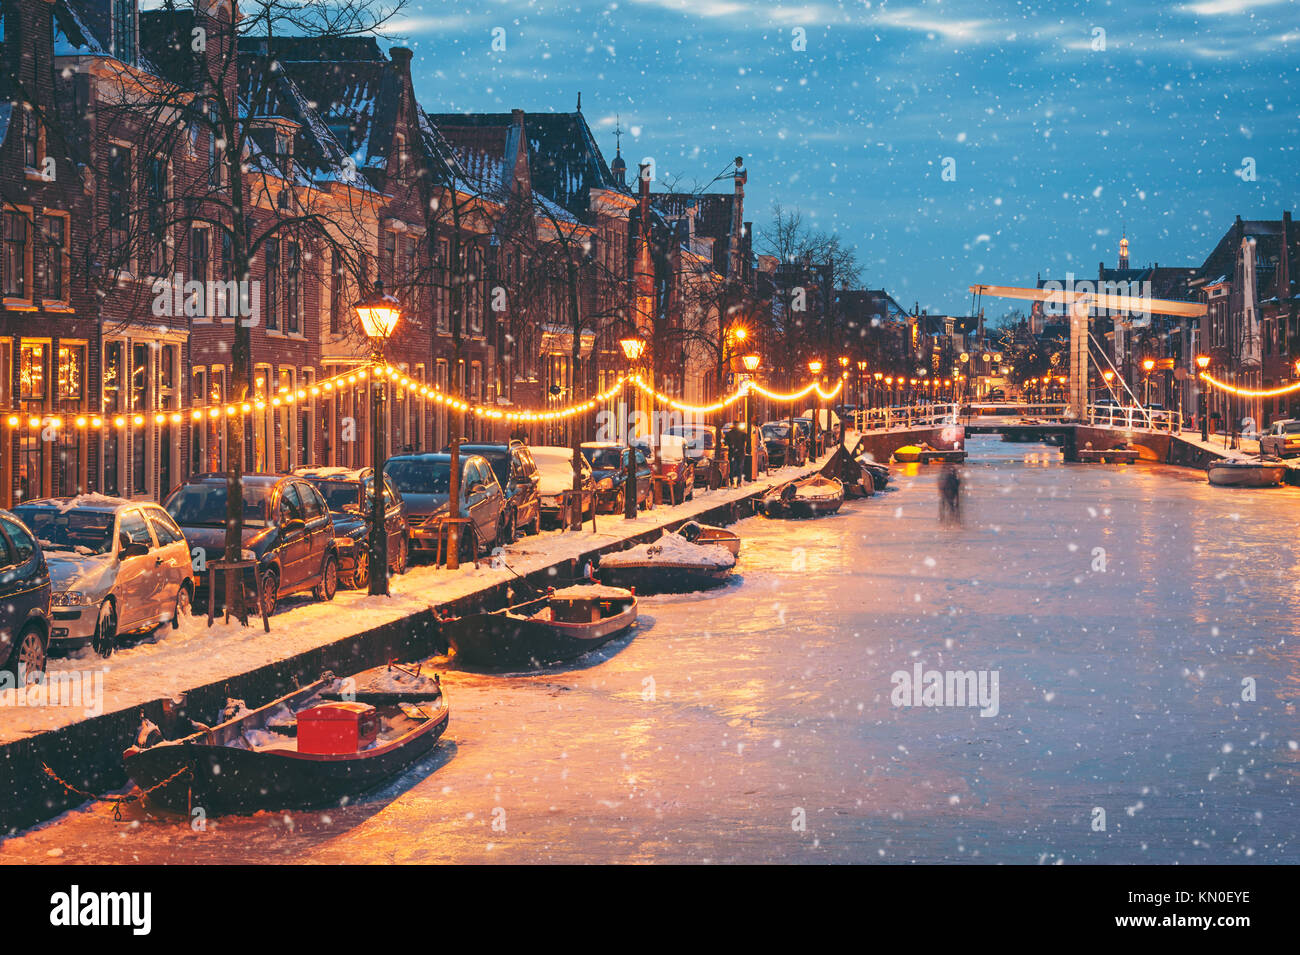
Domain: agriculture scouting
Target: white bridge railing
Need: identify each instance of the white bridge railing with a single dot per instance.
(1133, 418)
(1043, 411)
(905, 416)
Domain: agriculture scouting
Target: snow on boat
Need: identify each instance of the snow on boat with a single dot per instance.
(1245, 472)
(698, 533)
(1121, 454)
(318, 746)
(810, 497)
(557, 626)
(671, 565)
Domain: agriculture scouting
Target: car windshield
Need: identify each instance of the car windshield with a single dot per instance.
(83, 532)
(1291, 427)
(776, 432)
(419, 477)
(204, 505)
(605, 458)
(340, 495)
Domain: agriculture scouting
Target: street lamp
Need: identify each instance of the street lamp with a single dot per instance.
(1202, 363)
(751, 363)
(1147, 365)
(379, 313)
(632, 349)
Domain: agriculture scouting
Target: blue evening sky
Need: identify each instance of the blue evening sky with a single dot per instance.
(1057, 145)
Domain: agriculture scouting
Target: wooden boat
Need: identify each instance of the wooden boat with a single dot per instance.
(907, 454)
(557, 626)
(1243, 472)
(880, 473)
(846, 469)
(950, 456)
(698, 533)
(256, 759)
(810, 497)
(671, 565)
(1116, 455)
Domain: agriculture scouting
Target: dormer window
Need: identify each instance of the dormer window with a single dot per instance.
(124, 30)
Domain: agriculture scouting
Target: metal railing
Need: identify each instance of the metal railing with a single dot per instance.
(1133, 418)
(905, 416)
(1044, 411)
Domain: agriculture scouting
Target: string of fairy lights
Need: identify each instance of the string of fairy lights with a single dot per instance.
(288, 397)
(1250, 392)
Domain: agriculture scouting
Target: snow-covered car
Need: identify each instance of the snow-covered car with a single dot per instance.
(555, 479)
(116, 567)
(1282, 438)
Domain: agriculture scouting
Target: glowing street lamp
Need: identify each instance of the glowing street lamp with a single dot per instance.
(632, 349)
(815, 366)
(379, 314)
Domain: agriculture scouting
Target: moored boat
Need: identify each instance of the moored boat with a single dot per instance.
(1120, 454)
(813, 496)
(698, 533)
(557, 626)
(670, 565)
(1245, 472)
(317, 746)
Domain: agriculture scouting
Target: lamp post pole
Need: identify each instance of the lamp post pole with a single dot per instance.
(379, 313)
(632, 348)
(815, 367)
(751, 363)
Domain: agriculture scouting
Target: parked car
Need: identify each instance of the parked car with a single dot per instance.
(608, 461)
(424, 481)
(288, 533)
(116, 567)
(517, 474)
(1282, 439)
(705, 449)
(24, 601)
(785, 444)
(555, 476)
(349, 496)
(805, 426)
(671, 466)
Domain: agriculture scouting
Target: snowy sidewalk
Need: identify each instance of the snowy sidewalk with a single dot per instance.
(169, 662)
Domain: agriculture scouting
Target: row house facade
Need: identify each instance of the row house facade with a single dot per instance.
(1249, 286)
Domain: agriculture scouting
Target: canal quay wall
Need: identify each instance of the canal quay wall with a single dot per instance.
(87, 753)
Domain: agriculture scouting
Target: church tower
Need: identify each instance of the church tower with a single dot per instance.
(1123, 252)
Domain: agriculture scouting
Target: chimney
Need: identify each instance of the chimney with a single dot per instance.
(401, 57)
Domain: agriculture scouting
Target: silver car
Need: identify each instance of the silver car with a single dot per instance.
(116, 567)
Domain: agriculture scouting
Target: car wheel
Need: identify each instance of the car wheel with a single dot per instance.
(361, 573)
(269, 586)
(403, 562)
(329, 579)
(29, 654)
(184, 606)
(105, 638)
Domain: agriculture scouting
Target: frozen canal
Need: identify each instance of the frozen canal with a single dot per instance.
(1126, 612)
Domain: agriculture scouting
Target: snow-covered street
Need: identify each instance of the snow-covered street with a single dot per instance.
(1136, 626)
